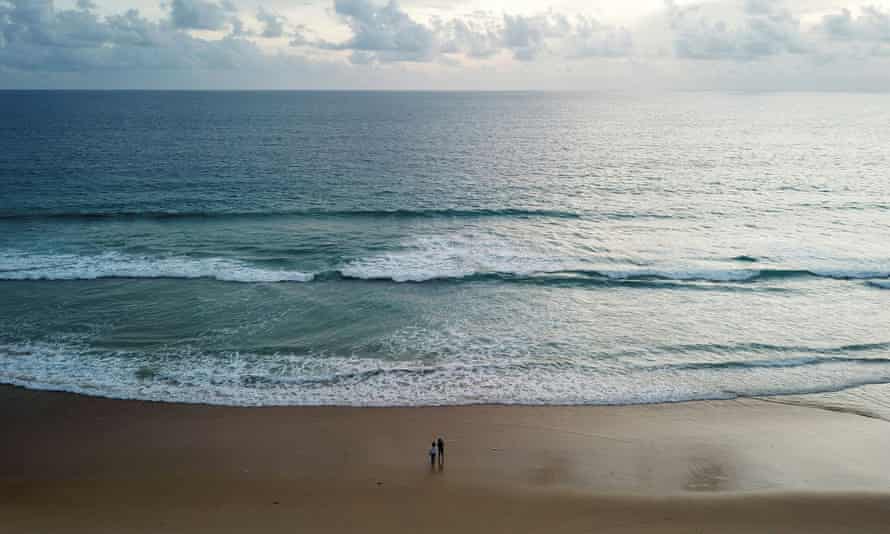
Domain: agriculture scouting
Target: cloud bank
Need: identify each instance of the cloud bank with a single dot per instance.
(387, 33)
(680, 45)
(34, 36)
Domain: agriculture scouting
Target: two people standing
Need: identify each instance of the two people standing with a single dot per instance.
(437, 449)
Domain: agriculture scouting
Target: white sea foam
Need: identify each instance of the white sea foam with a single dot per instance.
(288, 379)
(28, 266)
(460, 256)
(457, 256)
(419, 260)
(712, 275)
(743, 275)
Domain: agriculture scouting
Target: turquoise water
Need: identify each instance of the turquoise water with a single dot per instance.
(437, 248)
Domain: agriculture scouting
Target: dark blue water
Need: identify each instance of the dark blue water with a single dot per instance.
(436, 248)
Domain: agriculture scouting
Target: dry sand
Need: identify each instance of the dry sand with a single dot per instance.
(77, 464)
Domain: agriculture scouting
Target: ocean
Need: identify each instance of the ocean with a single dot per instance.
(379, 249)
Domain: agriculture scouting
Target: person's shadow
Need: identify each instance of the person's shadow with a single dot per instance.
(437, 467)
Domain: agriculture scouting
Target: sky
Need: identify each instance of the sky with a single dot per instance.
(615, 45)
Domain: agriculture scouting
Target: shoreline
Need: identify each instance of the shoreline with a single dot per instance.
(818, 400)
(72, 463)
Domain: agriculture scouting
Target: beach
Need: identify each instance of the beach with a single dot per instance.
(73, 463)
(628, 299)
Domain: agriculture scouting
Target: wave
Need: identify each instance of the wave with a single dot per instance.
(115, 265)
(783, 363)
(214, 270)
(718, 348)
(231, 271)
(469, 258)
(879, 284)
(245, 379)
(746, 259)
(444, 262)
(569, 276)
(359, 213)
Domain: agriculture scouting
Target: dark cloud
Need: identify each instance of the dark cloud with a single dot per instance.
(871, 24)
(298, 36)
(238, 28)
(749, 30)
(200, 14)
(759, 7)
(524, 36)
(273, 24)
(34, 35)
(40, 43)
(37, 37)
(469, 37)
(386, 33)
(759, 29)
(594, 39)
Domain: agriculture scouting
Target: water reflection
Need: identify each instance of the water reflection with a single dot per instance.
(710, 472)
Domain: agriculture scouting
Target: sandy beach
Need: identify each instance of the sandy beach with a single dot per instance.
(78, 464)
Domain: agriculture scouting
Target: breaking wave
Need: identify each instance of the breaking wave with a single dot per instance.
(245, 379)
(360, 213)
(443, 266)
(115, 265)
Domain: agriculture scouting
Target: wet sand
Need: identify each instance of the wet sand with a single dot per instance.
(70, 463)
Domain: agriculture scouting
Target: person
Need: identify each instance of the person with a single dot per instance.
(440, 445)
(433, 455)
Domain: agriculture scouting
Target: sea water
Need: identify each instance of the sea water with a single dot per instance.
(350, 248)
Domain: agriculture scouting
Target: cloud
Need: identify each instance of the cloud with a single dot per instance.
(745, 31)
(386, 33)
(524, 36)
(381, 44)
(871, 24)
(200, 14)
(273, 24)
(37, 37)
(845, 35)
(297, 38)
(238, 29)
(591, 38)
(475, 39)
(759, 7)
